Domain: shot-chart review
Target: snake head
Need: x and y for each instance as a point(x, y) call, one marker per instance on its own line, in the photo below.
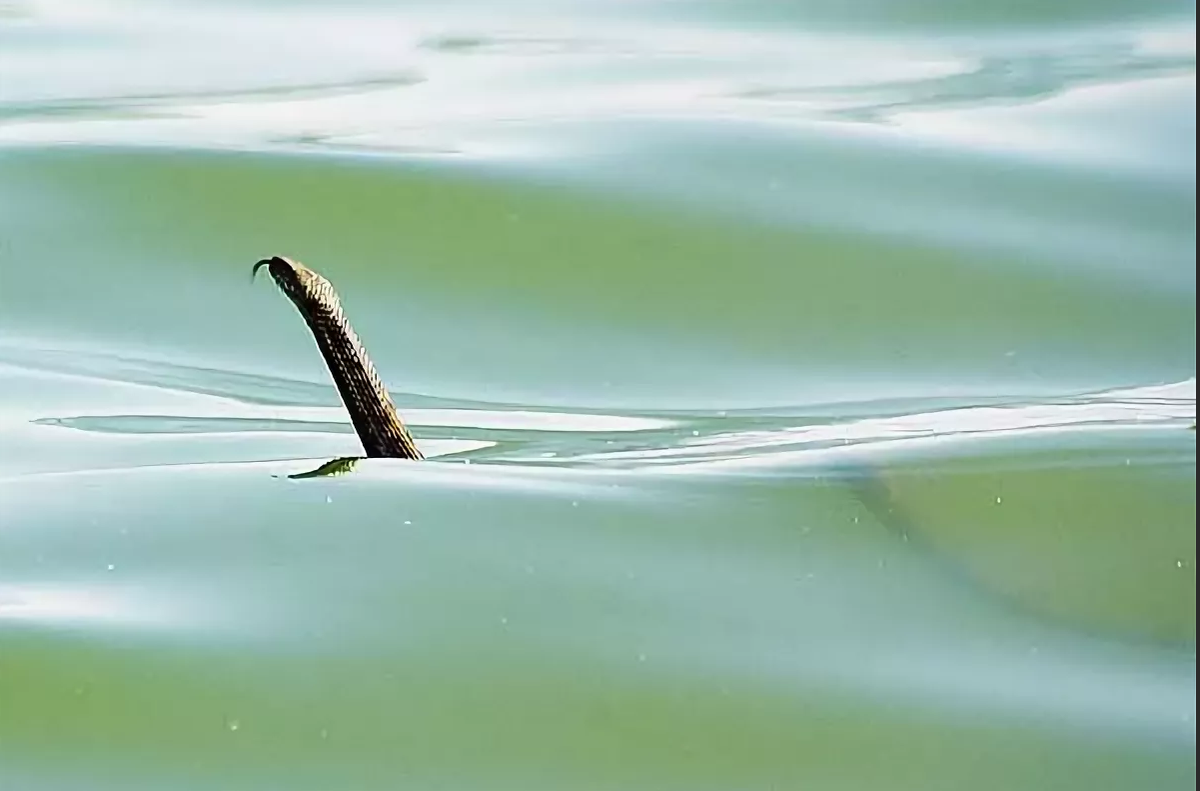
point(293, 278)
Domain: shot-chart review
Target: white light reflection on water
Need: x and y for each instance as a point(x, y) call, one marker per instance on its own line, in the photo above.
point(82, 605)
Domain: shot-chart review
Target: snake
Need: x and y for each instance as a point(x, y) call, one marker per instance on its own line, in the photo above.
point(372, 412)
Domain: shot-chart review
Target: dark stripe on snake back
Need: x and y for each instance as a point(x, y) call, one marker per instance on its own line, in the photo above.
point(371, 410)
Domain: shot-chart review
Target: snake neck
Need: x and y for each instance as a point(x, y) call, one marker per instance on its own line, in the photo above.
point(371, 409)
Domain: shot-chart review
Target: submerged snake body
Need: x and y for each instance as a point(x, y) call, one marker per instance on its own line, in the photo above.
point(371, 410)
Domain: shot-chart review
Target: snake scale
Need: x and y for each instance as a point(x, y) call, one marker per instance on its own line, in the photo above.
point(372, 412)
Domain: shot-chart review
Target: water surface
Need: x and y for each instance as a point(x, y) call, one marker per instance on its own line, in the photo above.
point(807, 389)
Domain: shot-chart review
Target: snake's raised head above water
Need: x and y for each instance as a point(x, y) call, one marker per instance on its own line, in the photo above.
point(366, 399)
point(298, 282)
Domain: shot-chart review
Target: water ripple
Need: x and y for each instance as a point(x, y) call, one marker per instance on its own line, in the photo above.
point(240, 404)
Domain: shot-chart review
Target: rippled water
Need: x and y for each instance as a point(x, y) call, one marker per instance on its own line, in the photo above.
point(808, 389)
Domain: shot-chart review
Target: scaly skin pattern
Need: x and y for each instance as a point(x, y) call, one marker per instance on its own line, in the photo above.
point(371, 410)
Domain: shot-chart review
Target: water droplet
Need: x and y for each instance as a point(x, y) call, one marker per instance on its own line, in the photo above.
point(328, 499)
point(999, 500)
point(233, 725)
point(641, 657)
point(408, 521)
point(503, 621)
point(111, 567)
point(324, 734)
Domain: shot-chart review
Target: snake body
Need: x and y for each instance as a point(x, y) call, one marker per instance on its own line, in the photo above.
point(371, 410)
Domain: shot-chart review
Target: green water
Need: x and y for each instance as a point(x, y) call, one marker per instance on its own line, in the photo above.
point(807, 388)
